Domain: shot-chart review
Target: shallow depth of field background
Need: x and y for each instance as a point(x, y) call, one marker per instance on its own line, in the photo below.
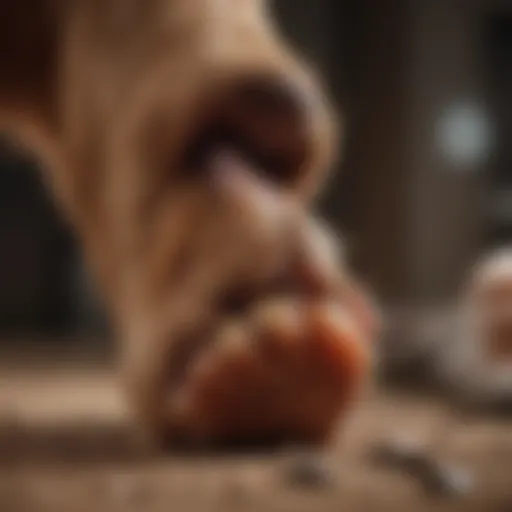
point(423, 189)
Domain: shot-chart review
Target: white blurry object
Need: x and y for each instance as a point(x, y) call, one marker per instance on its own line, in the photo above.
point(464, 134)
point(472, 364)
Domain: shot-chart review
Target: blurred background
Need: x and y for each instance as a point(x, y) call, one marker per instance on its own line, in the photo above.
point(423, 189)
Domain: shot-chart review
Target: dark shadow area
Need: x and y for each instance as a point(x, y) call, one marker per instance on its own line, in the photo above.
point(37, 253)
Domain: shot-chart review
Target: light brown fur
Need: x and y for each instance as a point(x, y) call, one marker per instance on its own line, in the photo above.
point(107, 92)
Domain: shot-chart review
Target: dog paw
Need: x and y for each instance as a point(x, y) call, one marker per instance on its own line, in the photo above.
point(286, 371)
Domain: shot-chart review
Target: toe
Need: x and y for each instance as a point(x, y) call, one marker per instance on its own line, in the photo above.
point(337, 348)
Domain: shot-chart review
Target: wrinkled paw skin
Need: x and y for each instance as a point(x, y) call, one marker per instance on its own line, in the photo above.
point(287, 371)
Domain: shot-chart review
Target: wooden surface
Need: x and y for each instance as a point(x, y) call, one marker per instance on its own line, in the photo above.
point(66, 444)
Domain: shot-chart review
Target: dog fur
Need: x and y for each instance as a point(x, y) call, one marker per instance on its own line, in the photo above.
point(106, 93)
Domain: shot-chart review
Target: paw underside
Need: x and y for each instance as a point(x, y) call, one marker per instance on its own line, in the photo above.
point(285, 372)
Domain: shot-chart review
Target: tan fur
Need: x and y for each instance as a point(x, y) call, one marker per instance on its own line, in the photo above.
point(106, 92)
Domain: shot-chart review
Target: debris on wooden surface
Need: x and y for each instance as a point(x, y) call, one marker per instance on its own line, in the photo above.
point(310, 470)
point(411, 456)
